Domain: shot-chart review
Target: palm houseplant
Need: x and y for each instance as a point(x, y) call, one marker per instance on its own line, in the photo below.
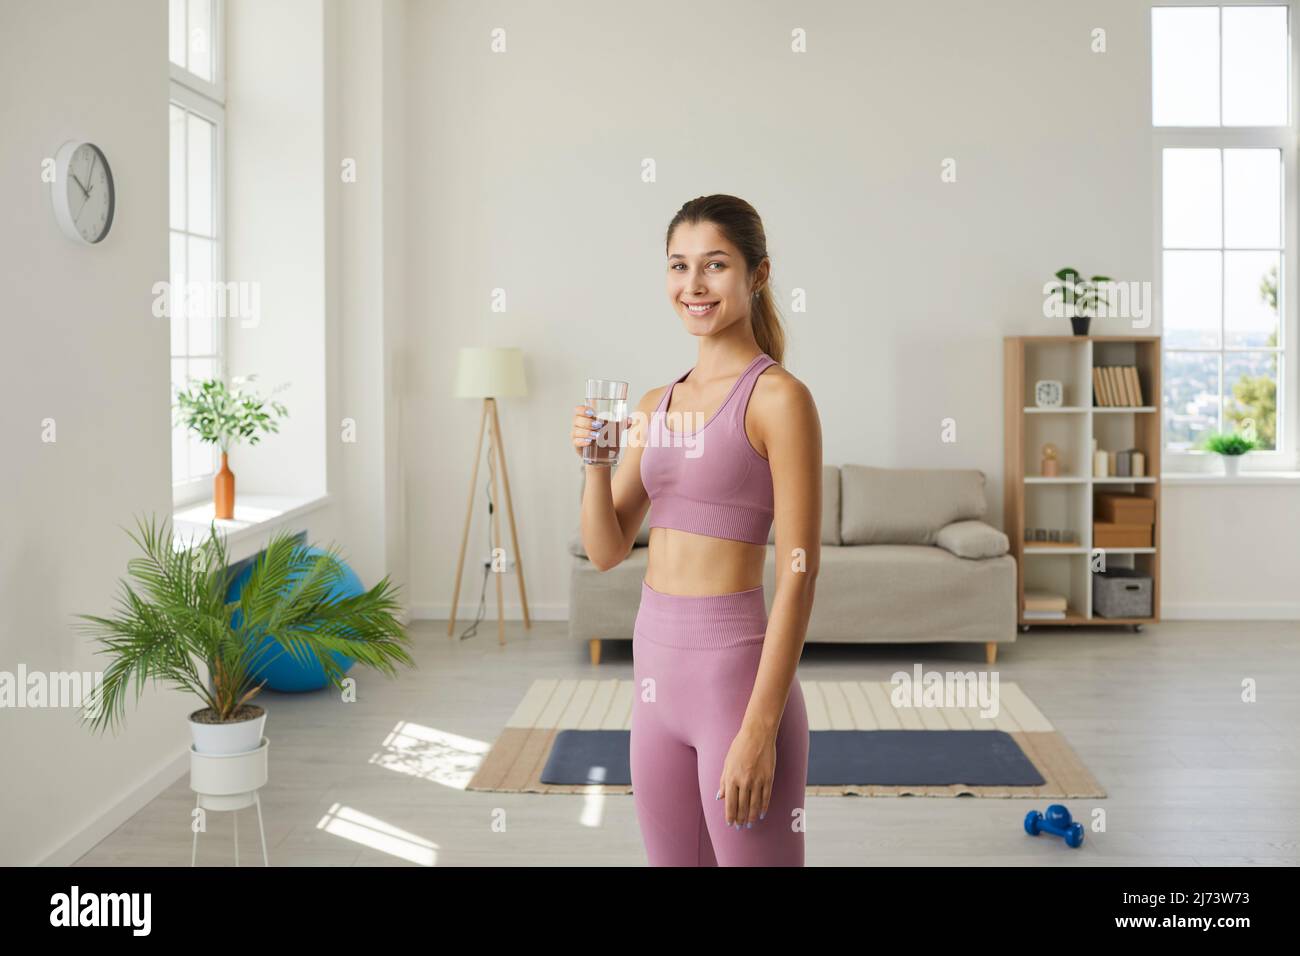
point(224, 415)
point(178, 625)
point(1079, 296)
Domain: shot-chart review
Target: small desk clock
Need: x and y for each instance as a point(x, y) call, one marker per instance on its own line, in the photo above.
point(1047, 393)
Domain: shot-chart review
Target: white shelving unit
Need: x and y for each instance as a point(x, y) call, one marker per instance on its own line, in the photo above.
point(1066, 502)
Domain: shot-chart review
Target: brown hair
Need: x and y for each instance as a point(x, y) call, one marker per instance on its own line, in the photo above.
point(739, 222)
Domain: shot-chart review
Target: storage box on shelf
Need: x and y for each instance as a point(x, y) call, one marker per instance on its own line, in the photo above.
point(1123, 520)
point(1113, 518)
point(1121, 593)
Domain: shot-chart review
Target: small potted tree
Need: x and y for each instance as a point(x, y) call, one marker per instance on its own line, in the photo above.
point(1229, 447)
point(1079, 297)
point(181, 621)
point(223, 416)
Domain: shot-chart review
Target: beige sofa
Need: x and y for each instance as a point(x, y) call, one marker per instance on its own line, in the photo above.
point(906, 558)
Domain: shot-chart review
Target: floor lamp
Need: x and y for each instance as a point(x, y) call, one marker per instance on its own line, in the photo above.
point(489, 374)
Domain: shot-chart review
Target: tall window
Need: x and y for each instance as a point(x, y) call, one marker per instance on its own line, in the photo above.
point(197, 122)
point(1224, 128)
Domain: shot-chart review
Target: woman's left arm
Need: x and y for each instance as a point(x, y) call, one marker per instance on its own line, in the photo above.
point(791, 432)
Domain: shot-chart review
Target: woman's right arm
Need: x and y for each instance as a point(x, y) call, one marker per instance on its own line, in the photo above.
point(614, 505)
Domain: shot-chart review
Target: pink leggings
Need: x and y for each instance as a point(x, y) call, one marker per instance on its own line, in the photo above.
point(694, 661)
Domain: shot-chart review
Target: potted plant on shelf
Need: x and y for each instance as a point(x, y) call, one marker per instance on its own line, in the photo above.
point(223, 416)
point(181, 621)
point(1229, 447)
point(1079, 297)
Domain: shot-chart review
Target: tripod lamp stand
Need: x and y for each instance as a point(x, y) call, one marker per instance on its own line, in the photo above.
point(489, 374)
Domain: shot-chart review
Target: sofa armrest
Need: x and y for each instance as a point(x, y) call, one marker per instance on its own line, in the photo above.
point(575, 545)
point(972, 538)
point(577, 549)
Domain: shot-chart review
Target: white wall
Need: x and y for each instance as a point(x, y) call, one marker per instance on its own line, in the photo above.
point(312, 84)
point(364, 295)
point(1232, 552)
point(397, 515)
point(82, 347)
point(526, 176)
point(276, 184)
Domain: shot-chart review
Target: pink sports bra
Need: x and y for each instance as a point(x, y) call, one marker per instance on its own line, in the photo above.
point(710, 481)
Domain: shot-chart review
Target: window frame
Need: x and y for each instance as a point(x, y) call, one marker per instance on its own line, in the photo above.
point(214, 89)
point(206, 100)
point(1283, 138)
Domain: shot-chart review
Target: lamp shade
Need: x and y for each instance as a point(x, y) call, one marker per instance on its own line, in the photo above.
point(490, 373)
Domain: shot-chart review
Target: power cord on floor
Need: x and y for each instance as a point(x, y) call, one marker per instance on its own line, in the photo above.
point(471, 629)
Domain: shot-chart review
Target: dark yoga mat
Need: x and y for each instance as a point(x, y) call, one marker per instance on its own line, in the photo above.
point(887, 758)
point(919, 758)
point(589, 757)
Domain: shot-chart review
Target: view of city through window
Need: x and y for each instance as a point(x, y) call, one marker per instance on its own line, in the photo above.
point(1221, 111)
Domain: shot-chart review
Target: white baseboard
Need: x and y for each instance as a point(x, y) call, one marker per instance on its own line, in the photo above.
point(1197, 611)
point(114, 816)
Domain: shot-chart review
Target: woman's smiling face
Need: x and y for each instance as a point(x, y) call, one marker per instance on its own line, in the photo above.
point(705, 269)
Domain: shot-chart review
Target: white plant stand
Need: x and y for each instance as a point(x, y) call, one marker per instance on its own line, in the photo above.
point(229, 782)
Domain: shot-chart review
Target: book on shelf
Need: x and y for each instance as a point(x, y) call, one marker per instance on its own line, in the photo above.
point(1101, 386)
point(1044, 615)
point(1048, 601)
point(1116, 386)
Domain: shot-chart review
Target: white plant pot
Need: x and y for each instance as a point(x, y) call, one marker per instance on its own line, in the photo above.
point(1230, 463)
point(228, 781)
point(232, 738)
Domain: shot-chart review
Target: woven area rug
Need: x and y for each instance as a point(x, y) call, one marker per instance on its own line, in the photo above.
point(515, 762)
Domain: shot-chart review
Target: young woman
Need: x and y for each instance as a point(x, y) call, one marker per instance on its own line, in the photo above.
point(719, 738)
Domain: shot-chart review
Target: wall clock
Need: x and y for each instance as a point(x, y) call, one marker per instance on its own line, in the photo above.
point(83, 192)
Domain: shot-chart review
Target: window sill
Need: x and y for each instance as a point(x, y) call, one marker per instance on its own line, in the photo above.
point(257, 517)
point(1252, 478)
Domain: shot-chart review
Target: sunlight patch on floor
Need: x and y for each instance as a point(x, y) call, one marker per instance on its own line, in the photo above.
point(593, 806)
point(361, 828)
point(431, 754)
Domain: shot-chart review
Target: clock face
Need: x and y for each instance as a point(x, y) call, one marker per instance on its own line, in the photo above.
point(1047, 394)
point(84, 199)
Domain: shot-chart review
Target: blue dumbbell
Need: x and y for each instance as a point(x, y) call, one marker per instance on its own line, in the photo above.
point(1057, 821)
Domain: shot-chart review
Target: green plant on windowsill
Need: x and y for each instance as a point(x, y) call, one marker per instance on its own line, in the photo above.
point(179, 620)
point(1230, 447)
point(226, 415)
point(222, 416)
point(1229, 444)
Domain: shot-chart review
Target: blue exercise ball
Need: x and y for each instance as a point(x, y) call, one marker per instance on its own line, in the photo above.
point(280, 669)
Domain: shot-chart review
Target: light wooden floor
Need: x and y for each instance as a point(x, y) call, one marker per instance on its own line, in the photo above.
point(1195, 775)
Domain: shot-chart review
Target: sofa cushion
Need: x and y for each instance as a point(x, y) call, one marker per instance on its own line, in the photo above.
point(906, 505)
point(972, 539)
point(830, 507)
point(900, 592)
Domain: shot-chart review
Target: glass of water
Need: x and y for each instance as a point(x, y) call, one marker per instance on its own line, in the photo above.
point(608, 399)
